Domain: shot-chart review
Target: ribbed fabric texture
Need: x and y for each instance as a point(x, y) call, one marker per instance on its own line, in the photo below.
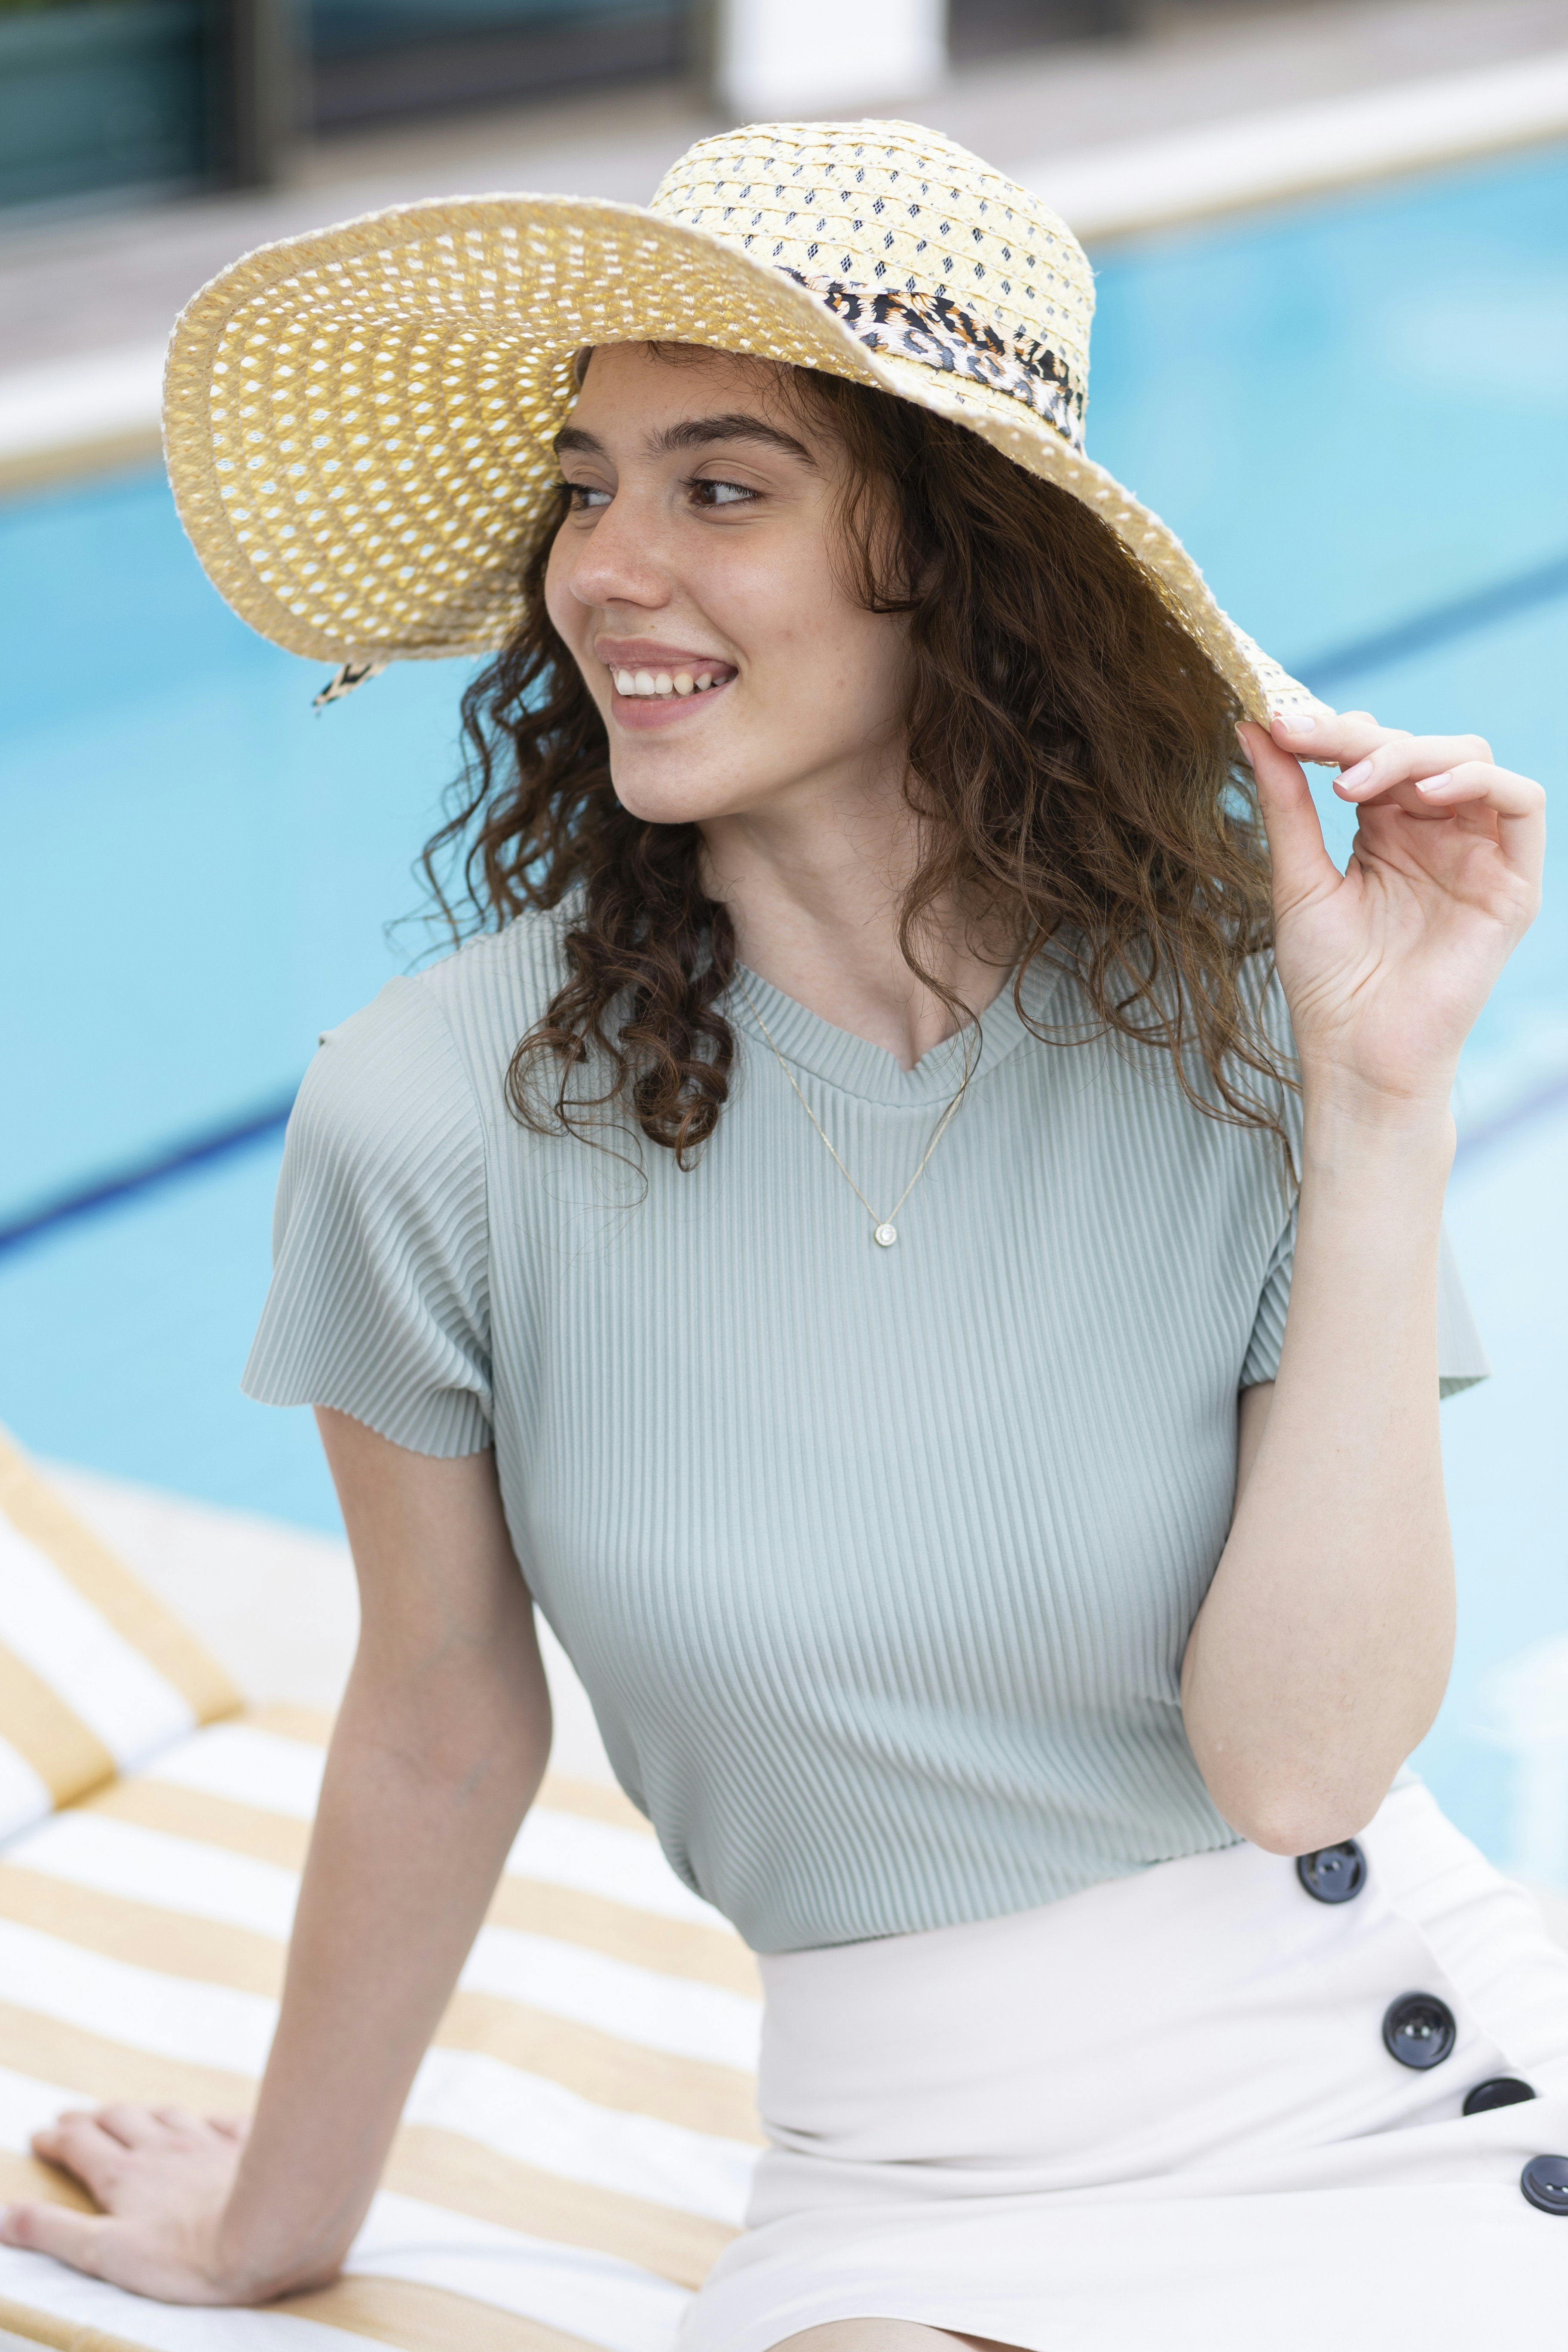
point(877, 1565)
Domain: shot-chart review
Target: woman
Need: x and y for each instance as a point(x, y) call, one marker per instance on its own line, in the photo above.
point(856, 1231)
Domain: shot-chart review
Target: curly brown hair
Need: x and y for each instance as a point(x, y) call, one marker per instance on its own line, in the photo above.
point(1071, 761)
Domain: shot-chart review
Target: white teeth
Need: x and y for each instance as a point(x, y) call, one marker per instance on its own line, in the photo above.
point(646, 682)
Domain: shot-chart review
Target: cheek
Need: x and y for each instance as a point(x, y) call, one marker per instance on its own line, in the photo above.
point(573, 620)
point(856, 663)
point(783, 609)
point(559, 602)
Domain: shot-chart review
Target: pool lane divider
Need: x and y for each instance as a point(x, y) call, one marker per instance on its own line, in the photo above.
point(186, 1159)
point(182, 1159)
point(1504, 600)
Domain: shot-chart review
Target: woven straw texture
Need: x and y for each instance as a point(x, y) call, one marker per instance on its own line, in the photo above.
point(358, 422)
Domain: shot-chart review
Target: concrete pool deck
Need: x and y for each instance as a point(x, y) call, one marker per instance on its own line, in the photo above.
point(1202, 114)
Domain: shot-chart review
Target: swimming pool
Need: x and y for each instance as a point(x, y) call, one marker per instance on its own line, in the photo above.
point(1356, 413)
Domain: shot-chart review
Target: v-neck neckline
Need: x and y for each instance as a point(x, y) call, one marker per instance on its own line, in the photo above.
point(854, 1065)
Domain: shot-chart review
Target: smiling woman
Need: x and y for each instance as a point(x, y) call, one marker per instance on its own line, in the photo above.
point(1014, 1612)
point(875, 600)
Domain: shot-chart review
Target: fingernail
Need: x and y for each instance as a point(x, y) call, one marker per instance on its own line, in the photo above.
point(1356, 775)
point(1434, 784)
point(1307, 726)
point(1241, 746)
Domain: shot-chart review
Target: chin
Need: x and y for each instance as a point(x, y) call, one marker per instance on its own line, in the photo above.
point(669, 800)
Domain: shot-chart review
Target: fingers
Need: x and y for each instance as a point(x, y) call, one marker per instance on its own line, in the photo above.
point(133, 2126)
point(1498, 788)
point(1409, 760)
point(1430, 776)
point(1302, 866)
point(179, 2120)
point(70, 2237)
point(1518, 805)
point(1344, 740)
point(1334, 738)
point(1438, 776)
point(80, 2145)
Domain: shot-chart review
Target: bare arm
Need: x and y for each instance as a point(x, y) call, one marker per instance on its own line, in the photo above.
point(439, 1747)
point(1320, 1655)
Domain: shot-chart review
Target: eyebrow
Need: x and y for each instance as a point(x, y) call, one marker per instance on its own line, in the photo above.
point(696, 433)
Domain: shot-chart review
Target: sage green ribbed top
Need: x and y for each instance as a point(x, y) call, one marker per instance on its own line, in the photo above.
point(878, 1564)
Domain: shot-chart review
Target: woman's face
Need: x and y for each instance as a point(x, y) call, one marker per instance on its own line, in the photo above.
point(694, 581)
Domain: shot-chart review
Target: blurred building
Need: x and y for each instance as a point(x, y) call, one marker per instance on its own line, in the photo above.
point(154, 97)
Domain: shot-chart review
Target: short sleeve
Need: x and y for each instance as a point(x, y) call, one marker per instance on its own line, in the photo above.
point(1461, 1358)
point(379, 1304)
point(1262, 1359)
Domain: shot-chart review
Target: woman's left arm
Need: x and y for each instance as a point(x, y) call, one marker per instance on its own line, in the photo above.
point(1320, 1656)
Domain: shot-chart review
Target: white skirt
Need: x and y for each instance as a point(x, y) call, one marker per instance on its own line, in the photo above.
point(1162, 2116)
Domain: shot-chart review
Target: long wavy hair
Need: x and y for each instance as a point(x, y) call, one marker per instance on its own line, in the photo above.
point(1071, 767)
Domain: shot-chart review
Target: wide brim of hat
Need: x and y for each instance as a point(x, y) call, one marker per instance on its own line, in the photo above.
point(359, 422)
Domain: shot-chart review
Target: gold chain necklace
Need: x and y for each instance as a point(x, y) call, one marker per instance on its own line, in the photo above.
point(884, 1232)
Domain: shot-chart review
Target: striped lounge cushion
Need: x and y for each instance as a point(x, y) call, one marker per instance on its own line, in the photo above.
point(579, 2141)
point(95, 1674)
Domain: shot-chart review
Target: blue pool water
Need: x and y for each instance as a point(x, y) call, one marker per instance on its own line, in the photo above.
point(1354, 412)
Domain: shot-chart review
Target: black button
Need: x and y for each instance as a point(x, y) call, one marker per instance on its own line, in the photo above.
point(1502, 2091)
point(1544, 2181)
point(1419, 2029)
point(1335, 1873)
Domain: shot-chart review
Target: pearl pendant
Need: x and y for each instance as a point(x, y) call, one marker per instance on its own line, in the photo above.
point(885, 1235)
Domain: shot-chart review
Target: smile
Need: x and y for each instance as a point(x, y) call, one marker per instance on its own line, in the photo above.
point(646, 682)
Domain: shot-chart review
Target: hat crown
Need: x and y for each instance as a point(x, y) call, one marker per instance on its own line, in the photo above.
point(925, 252)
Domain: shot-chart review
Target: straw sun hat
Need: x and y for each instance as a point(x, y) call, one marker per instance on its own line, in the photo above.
point(358, 422)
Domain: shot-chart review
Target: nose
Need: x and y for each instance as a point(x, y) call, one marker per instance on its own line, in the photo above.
point(621, 562)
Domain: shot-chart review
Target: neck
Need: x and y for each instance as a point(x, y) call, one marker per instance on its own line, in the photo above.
point(813, 892)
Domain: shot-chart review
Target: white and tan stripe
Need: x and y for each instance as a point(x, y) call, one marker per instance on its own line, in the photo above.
point(711, 1953)
point(403, 2313)
point(202, 1881)
point(50, 1742)
point(578, 2146)
point(562, 1842)
point(481, 2092)
point(25, 1794)
point(417, 2234)
point(124, 1677)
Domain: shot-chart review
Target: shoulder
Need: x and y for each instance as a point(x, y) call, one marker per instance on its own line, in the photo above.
point(429, 1055)
point(1139, 1061)
point(399, 1107)
point(493, 988)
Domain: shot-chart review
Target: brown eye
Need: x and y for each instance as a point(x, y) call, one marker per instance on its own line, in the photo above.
point(723, 494)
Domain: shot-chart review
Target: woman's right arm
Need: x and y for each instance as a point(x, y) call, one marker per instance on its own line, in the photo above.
point(439, 1747)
